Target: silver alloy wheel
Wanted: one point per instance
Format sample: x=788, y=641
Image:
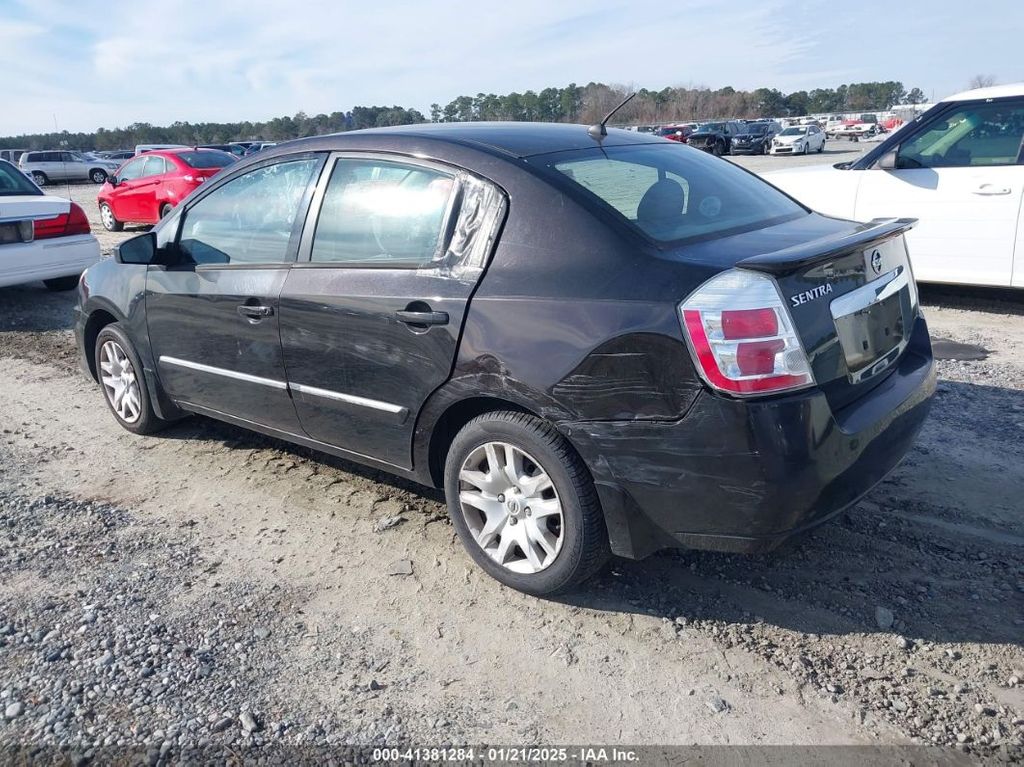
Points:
x=120, y=384
x=98, y=176
x=108, y=216
x=511, y=507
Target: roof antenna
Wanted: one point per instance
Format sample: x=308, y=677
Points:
x=597, y=131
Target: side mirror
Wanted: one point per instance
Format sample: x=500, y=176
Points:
x=113, y=180
x=137, y=250
x=888, y=160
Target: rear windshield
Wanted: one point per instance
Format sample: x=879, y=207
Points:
x=212, y=158
x=13, y=181
x=672, y=192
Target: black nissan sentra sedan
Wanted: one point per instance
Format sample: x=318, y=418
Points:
x=596, y=344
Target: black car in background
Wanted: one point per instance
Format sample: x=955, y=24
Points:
x=595, y=343
x=715, y=137
x=755, y=137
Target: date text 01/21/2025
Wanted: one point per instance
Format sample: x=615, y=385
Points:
x=506, y=754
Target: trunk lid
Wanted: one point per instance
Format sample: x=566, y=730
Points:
x=853, y=301
x=31, y=206
x=853, y=313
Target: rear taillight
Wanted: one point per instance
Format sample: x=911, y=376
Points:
x=742, y=336
x=64, y=225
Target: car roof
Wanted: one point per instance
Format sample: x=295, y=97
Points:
x=993, y=92
x=518, y=139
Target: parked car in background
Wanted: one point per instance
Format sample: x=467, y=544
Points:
x=715, y=137
x=12, y=155
x=755, y=137
x=238, y=150
x=42, y=237
x=258, y=146
x=146, y=188
x=680, y=133
x=61, y=165
x=143, y=148
x=119, y=155
x=959, y=169
x=387, y=296
x=802, y=139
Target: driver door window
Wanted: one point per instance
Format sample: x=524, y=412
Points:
x=979, y=135
x=132, y=170
x=249, y=220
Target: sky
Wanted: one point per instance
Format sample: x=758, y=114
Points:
x=79, y=64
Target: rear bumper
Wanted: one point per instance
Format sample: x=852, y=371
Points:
x=47, y=259
x=744, y=476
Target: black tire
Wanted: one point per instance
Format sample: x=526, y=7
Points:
x=110, y=223
x=584, y=548
x=148, y=421
x=58, y=284
x=807, y=148
x=98, y=175
x=719, y=149
x=165, y=210
x=40, y=178
x=821, y=148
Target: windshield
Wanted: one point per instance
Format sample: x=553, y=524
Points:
x=794, y=132
x=711, y=128
x=212, y=158
x=668, y=194
x=13, y=181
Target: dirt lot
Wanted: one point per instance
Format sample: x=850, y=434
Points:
x=209, y=585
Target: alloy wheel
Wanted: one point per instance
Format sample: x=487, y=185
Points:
x=120, y=384
x=511, y=507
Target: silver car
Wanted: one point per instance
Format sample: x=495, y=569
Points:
x=62, y=165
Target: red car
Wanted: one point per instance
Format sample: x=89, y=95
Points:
x=680, y=133
x=148, y=186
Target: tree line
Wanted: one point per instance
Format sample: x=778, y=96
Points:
x=573, y=103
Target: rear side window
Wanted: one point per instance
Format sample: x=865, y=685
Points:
x=672, y=193
x=973, y=135
x=378, y=211
x=248, y=220
x=13, y=181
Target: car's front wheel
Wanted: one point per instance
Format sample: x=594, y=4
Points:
x=110, y=223
x=124, y=384
x=523, y=503
x=98, y=175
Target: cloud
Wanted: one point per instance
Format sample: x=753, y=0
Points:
x=121, y=62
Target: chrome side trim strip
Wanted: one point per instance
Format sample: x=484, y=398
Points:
x=222, y=372
x=873, y=292
x=351, y=399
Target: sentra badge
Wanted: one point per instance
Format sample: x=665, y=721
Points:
x=812, y=294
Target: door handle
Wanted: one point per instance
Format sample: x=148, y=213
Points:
x=989, y=190
x=422, y=318
x=255, y=312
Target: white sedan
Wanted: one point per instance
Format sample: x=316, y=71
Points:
x=41, y=237
x=798, y=139
x=958, y=169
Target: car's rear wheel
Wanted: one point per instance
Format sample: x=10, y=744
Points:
x=523, y=503
x=123, y=382
x=62, y=283
x=821, y=147
x=110, y=223
x=40, y=178
x=98, y=175
x=165, y=210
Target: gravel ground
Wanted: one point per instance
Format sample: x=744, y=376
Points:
x=212, y=587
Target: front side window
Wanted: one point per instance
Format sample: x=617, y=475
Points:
x=132, y=170
x=250, y=219
x=154, y=167
x=974, y=135
x=670, y=194
x=382, y=211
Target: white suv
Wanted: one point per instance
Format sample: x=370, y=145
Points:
x=61, y=165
